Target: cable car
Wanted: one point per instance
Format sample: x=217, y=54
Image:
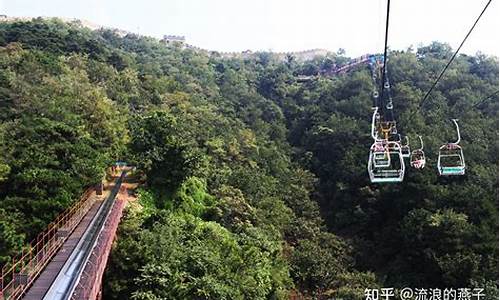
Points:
x=405, y=149
x=385, y=161
x=417, y=158
x=393, y=169
x=451, y=157
x=451, y=160
x=381, y=157
x=379, y=150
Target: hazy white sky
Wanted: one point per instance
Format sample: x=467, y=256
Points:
x=285, y=25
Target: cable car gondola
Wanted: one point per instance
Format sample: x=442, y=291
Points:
x=394, y=168
x=417, y=158
x=381, y=157
x=385, y=161
x=451, y=157
x=405, y=149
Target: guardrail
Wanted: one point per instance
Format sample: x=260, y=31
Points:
x=89, y=242
x=17, y=275
x=89, y=284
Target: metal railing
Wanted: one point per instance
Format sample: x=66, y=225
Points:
x=17, y=276
x=91, y=240
x=89, y=284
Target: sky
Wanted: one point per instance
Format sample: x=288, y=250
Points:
x=286, y=25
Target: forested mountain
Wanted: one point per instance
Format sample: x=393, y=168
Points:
x=255, y=182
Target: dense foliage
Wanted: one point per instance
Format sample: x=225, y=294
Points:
x=255, y=183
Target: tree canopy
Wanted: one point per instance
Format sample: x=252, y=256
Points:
x=255, y=182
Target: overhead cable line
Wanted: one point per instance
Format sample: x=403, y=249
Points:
x=385, y=43
x=485, y=99
x=385, y=91
x=454, y=55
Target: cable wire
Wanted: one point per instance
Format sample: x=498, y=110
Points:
x=385, y=43
x=454, y=55
x=484, y=100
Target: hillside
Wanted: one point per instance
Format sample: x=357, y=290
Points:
x=254, y=183
x=85, y=24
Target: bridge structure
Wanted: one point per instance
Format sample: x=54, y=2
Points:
x=367, y=58
x=370, y=59
x=68, y=259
